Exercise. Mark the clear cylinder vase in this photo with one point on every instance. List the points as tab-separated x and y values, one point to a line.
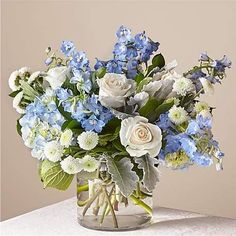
101	206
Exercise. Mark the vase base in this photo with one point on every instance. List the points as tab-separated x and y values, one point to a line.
125	222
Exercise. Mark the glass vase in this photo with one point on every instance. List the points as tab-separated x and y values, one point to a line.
101	206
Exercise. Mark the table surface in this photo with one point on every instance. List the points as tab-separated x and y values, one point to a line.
60	219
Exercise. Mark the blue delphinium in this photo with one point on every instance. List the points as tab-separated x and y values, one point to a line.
114	66
221	65
68	48
79	61
89	111
129	53
123	34
82	79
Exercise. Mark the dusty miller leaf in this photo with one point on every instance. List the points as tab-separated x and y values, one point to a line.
122	174
150	172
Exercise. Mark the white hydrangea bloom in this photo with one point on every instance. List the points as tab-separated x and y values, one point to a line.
66	138
207	86
13	84
88	140
16	103
182	86
71	165
200	106
178	115
53	151
89	163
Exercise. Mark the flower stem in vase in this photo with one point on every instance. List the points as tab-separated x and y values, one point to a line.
111	207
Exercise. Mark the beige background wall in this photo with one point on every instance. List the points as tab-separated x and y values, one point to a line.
184	29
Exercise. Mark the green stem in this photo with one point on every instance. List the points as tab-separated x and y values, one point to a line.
140	203
91	200
111	208
196	68
82	188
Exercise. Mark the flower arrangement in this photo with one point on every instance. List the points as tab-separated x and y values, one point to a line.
118	122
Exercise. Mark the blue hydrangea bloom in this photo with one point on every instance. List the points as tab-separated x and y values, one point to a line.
202	159
193	128
204	122
68	48
188	145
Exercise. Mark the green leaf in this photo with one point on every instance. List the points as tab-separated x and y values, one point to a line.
139	77
122	174
158	61
65	114
101	72
71	124
148	110
53	176
14	93
150	172
29	91
18	127
164	107
117	144
142	83
111	126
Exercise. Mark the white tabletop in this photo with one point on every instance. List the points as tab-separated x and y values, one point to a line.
60	219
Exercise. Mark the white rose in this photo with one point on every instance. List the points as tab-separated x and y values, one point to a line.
57	76
114	89
140	137
16	103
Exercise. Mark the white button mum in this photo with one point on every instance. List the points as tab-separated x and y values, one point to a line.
66	138
89	163
14	80
88	140
205	114
71	165
200	106
16	103
33	77
178	115
24	70
114	89
140	137
207	86
182	86
53	151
